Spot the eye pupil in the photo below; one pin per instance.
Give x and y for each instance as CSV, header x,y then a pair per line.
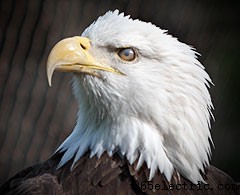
x,y
127,54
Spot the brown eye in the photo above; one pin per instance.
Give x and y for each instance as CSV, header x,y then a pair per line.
x,y
127,54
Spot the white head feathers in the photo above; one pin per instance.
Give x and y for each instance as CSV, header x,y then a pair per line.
x,y
159,111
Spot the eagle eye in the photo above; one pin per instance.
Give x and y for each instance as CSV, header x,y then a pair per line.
x,y
127,54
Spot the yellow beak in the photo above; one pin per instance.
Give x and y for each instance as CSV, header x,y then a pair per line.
x,y
73,55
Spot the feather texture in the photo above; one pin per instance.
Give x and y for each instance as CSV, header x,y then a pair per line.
x,y
159,111
109,175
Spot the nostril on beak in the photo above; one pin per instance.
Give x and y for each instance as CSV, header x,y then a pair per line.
x,y
82,46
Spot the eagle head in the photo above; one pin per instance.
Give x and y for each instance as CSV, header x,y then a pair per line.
x,y
141,93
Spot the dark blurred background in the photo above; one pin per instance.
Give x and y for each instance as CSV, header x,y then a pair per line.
x,y
35,119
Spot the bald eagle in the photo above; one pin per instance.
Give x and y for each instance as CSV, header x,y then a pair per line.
x,y
143,120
